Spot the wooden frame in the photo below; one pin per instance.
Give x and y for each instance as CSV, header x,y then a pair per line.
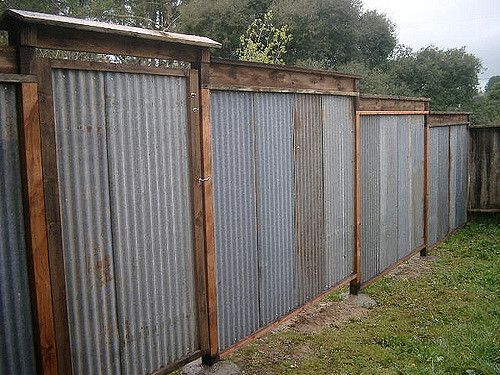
x,y
36,230
245,76
118,68
212,352
386,104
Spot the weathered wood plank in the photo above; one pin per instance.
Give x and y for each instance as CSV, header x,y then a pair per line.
x,y
259,77
383,103
36,230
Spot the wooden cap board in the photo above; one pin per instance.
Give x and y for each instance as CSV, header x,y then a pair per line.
x,y
26,17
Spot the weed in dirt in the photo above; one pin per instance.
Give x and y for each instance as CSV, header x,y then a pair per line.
x,y
445,320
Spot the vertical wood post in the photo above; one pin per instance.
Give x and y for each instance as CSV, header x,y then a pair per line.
x,y
423,252
212,352
36,230
194,124
355,284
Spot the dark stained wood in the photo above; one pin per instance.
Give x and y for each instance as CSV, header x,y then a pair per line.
x,y
271,77
17,78
8,60
53,37
194,123
119,68
209,220
447,119
484,169
36,231
261,332
52,215
380,103
208,205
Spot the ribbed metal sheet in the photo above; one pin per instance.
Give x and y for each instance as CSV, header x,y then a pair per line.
x,y
152,219
309,210
458,175
235,217
391,190
275,204
338,169
126,214
86,220
16,337
437,180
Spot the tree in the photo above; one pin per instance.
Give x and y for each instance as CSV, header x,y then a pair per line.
x,y
491,82
487,106
264,42
335,31
222,20
448,77
376,80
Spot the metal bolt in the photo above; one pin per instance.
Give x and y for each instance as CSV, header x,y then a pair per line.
x,y
195,109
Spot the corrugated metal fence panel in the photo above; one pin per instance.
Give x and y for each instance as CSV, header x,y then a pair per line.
x,y
309,211
410,183
438,194
338,165
388,191
370,196
126,213
458,175
417,136
86,230
391,190
16,337
152,224
235,219
484,192
275,206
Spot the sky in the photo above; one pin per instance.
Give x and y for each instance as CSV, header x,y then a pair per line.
x,y
474,24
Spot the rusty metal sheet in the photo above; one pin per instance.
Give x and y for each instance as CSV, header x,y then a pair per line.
x,y
338,169
309,209
122,152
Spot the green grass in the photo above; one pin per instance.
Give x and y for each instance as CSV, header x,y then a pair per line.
x,y
446,321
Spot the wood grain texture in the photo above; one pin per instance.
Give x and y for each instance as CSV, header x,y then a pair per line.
x,y
484,169
52,214
371,103
36,230
194,123
53,37
446,119
8,60
260,76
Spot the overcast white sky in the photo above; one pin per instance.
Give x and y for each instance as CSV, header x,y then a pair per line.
x,y
474,24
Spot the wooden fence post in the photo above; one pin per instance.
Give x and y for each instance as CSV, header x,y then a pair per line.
x,y
36,230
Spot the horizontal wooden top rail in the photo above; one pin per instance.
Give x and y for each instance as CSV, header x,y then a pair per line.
x,y
246,76
391,103
118,68
391,113
17,78
448,118
39,30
